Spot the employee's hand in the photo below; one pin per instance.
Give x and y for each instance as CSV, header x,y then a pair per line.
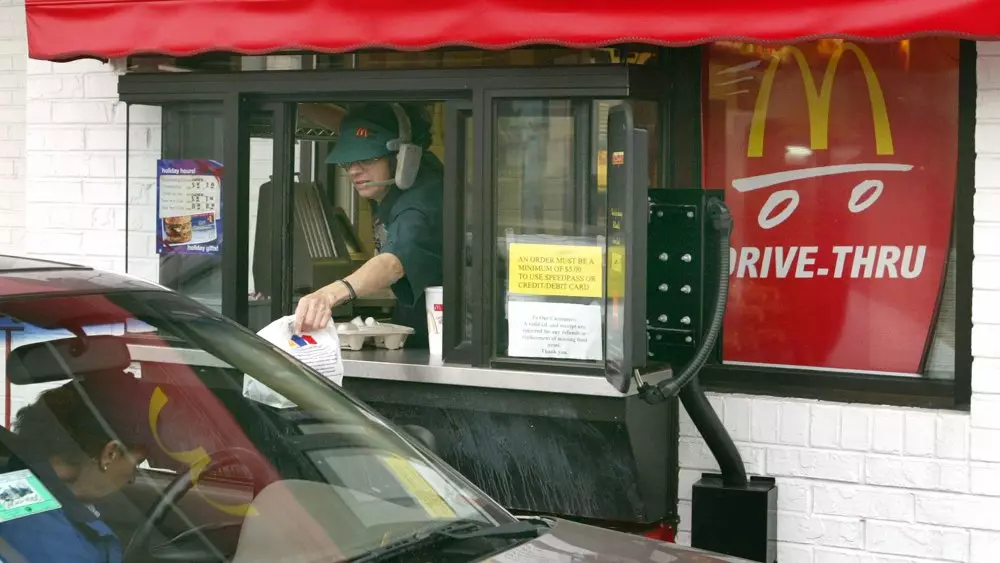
x,y
314,311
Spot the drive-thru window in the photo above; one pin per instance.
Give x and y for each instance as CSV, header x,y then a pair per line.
x,y
582,244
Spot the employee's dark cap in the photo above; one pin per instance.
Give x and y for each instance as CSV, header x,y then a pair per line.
x,y
366,132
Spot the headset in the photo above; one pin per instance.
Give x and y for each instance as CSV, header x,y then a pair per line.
x,y
408,154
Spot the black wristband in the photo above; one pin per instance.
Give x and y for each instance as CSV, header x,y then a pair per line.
x,y
350,289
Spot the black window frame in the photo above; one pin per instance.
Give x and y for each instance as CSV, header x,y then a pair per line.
x,y
674,82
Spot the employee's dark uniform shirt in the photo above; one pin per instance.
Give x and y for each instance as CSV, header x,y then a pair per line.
x,y
413,234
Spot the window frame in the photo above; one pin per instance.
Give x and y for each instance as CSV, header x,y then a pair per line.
x,y
854,386
675,83
242,91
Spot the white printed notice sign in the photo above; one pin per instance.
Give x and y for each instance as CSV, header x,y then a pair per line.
x,y
189,206
562,331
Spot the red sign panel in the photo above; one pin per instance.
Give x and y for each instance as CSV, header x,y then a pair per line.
x,y
839,163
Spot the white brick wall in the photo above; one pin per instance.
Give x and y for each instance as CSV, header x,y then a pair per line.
x,y
13,59
75,184
857,483
885,484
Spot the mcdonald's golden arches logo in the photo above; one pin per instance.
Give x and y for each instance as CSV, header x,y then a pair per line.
x,y
818,101
361,132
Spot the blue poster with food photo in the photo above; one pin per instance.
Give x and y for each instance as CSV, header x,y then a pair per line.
x,y
189,206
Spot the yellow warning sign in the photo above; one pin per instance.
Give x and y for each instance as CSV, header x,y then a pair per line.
x,y
562,270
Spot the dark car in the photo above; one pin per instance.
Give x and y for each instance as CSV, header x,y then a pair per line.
x,y
228,478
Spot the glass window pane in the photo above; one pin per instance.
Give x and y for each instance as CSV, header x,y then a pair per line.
x,y
544,227
175,188
839,163
262,226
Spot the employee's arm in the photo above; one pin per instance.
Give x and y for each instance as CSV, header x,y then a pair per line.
x,y
377,274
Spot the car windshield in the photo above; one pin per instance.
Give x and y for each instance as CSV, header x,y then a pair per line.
x,y
320,477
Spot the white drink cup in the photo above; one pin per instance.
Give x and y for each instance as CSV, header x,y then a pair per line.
x,y
435,319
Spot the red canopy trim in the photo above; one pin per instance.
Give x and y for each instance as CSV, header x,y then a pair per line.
x,y
65,29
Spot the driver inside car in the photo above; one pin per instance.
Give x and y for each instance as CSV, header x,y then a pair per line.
x,y
88,456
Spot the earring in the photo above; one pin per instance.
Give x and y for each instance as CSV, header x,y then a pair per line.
x,y
104,468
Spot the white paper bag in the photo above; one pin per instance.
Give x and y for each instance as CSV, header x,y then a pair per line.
x,y
319,350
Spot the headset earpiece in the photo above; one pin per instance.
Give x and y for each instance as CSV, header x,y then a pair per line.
x,y
408,154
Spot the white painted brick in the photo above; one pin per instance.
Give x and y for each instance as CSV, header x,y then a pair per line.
x,y
986,133
718,401
987,51
684,515
985,306
985,375
55,191
794,553
764,421
8,167
987,172
888,433
55,87
952,436
794,421
908,473
821,530
986,411
11,149
37,112
816,464
987,202
104,191
101,85
693,451
827,555
686,479
56,139
954,476
83,112
862,502
985,445
14,131
687,427
984,341
943,544
38,67
824,426
106,138
48,242
737,418
985,479
856,429
986,239
919,433
794,495
985,547
103,243
143,222
959,511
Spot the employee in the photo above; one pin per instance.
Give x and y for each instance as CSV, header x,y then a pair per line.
x,y
383,148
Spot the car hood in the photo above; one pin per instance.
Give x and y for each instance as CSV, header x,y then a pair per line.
x,y
569,542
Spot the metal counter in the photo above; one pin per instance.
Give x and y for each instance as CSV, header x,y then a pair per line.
x,y
417,366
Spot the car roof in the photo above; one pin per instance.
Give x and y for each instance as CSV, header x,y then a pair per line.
x,y
27,276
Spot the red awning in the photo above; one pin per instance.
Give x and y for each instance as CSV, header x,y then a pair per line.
x,y
64,29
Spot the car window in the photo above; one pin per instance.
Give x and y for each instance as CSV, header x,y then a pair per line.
x,y
161,380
